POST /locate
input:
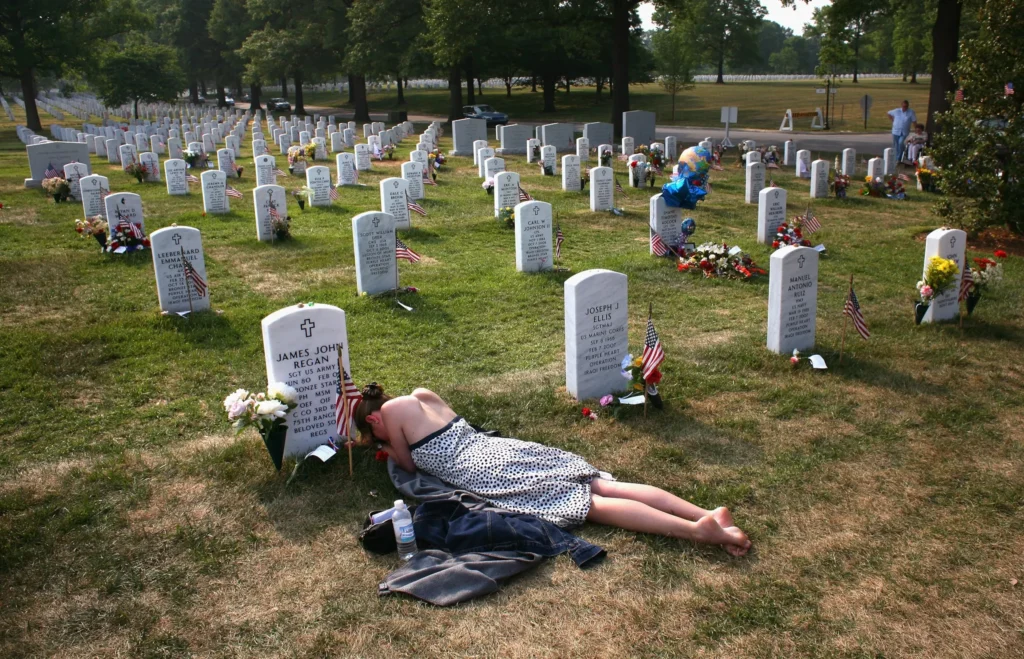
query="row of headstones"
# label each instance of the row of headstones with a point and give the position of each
(638, 128)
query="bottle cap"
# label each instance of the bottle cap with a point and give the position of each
(399, 504)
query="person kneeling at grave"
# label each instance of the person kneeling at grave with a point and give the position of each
(421, 431)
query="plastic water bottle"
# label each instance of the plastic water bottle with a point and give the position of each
(405, 535)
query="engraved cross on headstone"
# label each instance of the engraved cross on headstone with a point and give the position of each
(801, 261)
(176, 238)
(952, 242)
(307, 327)
(376, 221)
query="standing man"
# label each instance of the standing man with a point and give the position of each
(902, 118)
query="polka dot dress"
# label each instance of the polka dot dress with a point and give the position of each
(523, 477)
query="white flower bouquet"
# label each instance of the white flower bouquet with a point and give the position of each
(266, 412)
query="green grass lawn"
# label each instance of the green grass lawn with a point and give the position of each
(883, 496)
(761, 104)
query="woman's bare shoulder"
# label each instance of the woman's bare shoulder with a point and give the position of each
(426, 395)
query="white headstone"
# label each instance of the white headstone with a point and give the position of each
(949, 244)
(373, 240)
(464, 133)
(169, 246)
(530, 144)
(128, 155)
(123, 207)
(506, 191)
(492, 166)
(175, 170)
(412, 172)
(151, 163)
(113, 155)
(319, 179)
(477, 145)
(628, 146)
(571, 181)
(265, 166)
(174, 150)
(788, 153)
(803, 163)
(215, 198)
(755, 181)
(596, 336)
(300, 347)
(362, 157)
(394, 200)
(482, 155)
(226, 162)
(549, 157)
(265, 198)
(751, 156)
(602, 194)
(889, 161)
(819, 179)
(345, 163)
(583, 149)
(639, 124)
(875, 168)
(671, 152)
(337, 142)
(771, 212)
(534, 251)
(849, 162)
(73, 173)
(93, 187)
(792, 299)
(665, 221)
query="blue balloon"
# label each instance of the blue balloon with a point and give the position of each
(689, 226)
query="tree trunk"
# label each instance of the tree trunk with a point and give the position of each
(673, 105)
(508, 87)
(255, 91)
(599, 86)
(202, 87)
(454, 93)
(193, 92)
(620, 63)
(945, 40)
(721, 66)
(550, 82)
(533, 84)
(904, 76)
(567, 84)
(470, 92)
(136, 109)
(28, 92)
(220, 95)
(359, 102)
(401, 92)
(351, 84)
(284, 87)
(856, 55)
(913, 78)
(300, 106)
(239, 89)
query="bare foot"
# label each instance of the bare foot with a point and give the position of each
(723, 517)
(733, 540)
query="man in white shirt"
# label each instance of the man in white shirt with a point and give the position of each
(902, 118)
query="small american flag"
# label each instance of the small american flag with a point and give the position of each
(191, 178)
(618, 186)
(334, 194)
(345, 404)
(1008, 89)
(959, 96)
(427, 178)
(657, 244)
(377, 152)
(966, 283)
(50, 172)
(903, 177)
(559, 239)
(402, 251)
(279, 172)
(524, 195)
(852, 309)
(134, 230)
(809, 223)
(272, 211)
(414, 207)
(231, 192)
(653, 353)
(192, 277)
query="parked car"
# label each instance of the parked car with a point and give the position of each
(229, 101)
(486, 112)
(279, 104)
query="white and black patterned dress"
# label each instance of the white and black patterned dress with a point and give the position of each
(523, 477)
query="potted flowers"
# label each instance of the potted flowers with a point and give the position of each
(266, 413)
(95, 227)
(839, 184)
(488, 186)
(789, 234)
(304, 195)
(194, 159)
(136, 170)
(296, 160)
(606, 158)
(58, 187)
(986, 273)
(281, 226)
(389, 151)
(535, 152)
(926, 179)
(939, 276)
(584, 178)
(508, 216)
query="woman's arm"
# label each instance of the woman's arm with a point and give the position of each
(398, 447)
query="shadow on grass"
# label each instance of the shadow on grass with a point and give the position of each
(206, 330)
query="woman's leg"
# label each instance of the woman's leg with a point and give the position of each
(636, 516)
(652, 496)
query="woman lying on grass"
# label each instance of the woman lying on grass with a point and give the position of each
(421, 432)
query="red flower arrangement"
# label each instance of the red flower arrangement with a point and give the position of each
(381, 456)
(788, 234)
(999, 253)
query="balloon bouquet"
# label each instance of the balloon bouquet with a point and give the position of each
(689, 185)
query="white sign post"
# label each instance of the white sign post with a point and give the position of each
(728, 116)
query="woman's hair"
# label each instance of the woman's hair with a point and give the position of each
(373, 399)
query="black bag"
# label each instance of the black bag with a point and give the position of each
(380, 538)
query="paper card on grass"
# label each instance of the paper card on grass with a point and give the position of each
(819, 248)
(632, 400)
(121, 250)
(184, 314)
(323, 453)
(817, 361)
(404, 306)
(736, 249)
